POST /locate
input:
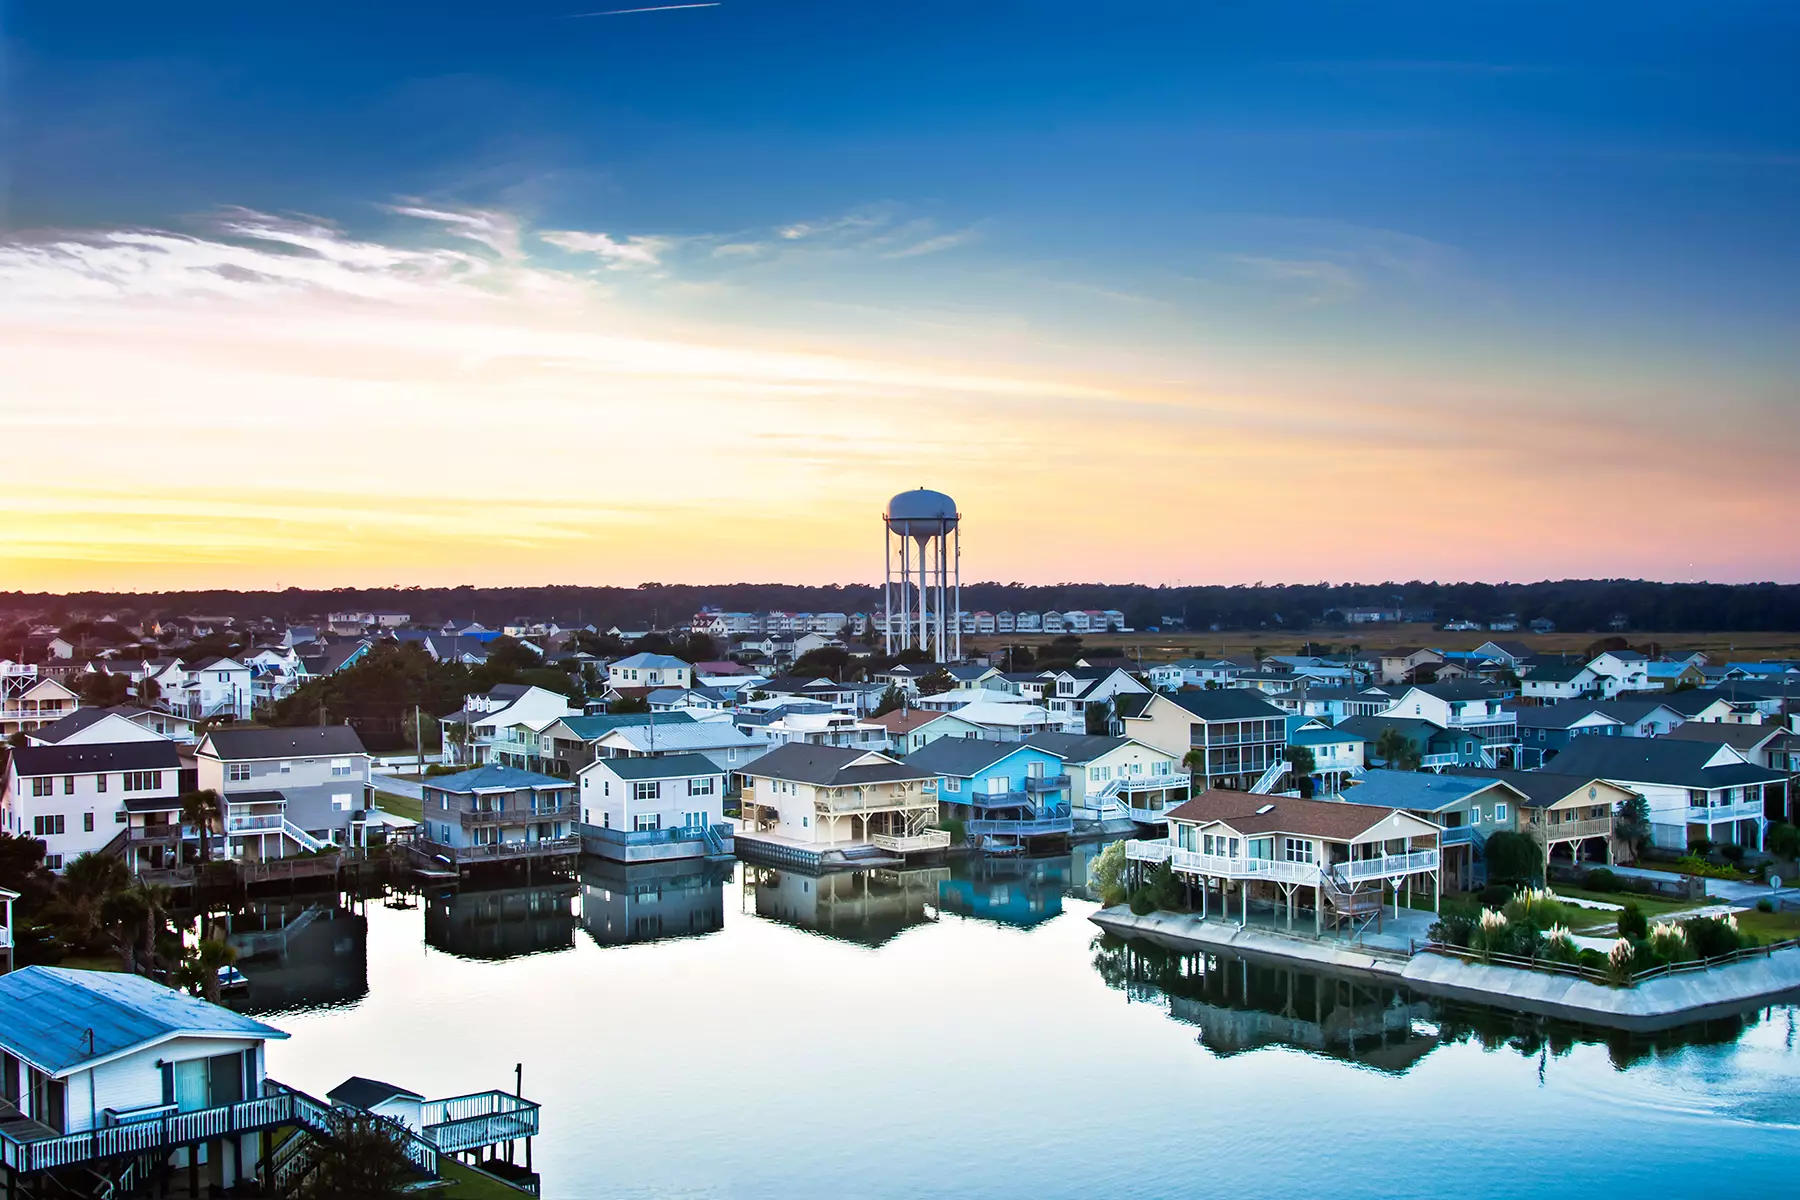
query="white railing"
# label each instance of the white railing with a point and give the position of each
(1151, 783)
(1221, 866)
(301, 838)
(1572, 829)
(1431, 762)
(1035, 827)
(931, 839)
(1388, 867)
(1147, 850)
(267, 822)
(1266, 782)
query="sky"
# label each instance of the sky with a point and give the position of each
(504, 293)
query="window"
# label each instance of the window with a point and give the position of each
(286, 768)
(53, 862)
(43, 786)
(119, 817)
(47, 826)
(340, 768)
(701, 787)
(1297, 850)
(142, 781)
(647, 790)
(644, 822)
(341, 802)
(1499, 813)
(952, 785)
(68, 785)
(237, 772)
(1474, 816)
(100, 783)
(87, 822)
(1262, 848)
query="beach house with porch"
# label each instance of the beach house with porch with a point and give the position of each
(496, 813)
(1695, 790)
(1468, 807)
(1343, 860)
(1008, 795)
(1114, 777)
(1234, 735)
(803, 804)
(1570, 816)
(288, 790)
(647, 808)
(1470, 711)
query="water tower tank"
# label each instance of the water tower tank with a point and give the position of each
(921, 513)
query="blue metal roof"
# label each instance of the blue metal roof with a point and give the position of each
(494, 777)
(50, 1014)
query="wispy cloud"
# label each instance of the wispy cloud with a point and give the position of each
(625, 12)
(496, 230)
(640, 250)
(932, 245)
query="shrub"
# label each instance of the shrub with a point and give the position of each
(1538, 909)
(437, 769)
(1632, 923)
(1559, 945)
(1142, 903)
(1621, 962)
(1669, 942)
(959, 832)
(1452, 929)
(1489, 936)
(1514, 858)
(1591, 958)
(1765, 905)
(1165, 890)
(1106, 874)
(1734, 853)
(1713, 936)
(1495, 895)
(1699, 847)
(1600, 879)
(1783, 841)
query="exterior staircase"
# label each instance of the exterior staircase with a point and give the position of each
(301, 838)
(1266, 784)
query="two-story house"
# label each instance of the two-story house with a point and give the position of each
(286, 790)
(1009, 796)
(1226, 738)
(1113, 777)
(1469, 807)
(1695, 790)
(1622, 671)
(212, 689)
(574, 741)
(29, 701)
(721, 743)
(1398, 664)
(1551, 683)
(1471, 710)
(801, 801)
(75, 798)
(644, 809)
(912, 729)
(497, 813)
(649, 671)
(1339, 755)
(509, 727)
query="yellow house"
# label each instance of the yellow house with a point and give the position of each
(816, 798)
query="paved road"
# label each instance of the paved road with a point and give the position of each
(397, 785)
(1719, 889)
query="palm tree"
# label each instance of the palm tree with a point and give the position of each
(127, 919)
(201, 809)
(200, 970)
(87, 882)
(1391, 745)
(1195, 762)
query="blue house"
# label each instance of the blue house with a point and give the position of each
(1438, 747)
(1006, 793)
(497, 812)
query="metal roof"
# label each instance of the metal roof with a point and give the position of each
(963, 757)
(494, 777)
(61, 1020)
(659, 766)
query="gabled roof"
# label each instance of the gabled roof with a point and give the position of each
(645, 660)
(156, 755)
(1317, 735)
(1728, 733)
(59, 1020)
(831, 766)
(905, 720)
(1460, 689)
(1694, 701)
(1558, 716)
(661, 766)
(684, 735)
(1557, 673)
(1419, 789)
(1369, 728)
(1541, 789)
(289, 742)
(1329, 819)
(72, 724)
(1077, 747)
(962, 757)
(1668, 761)
(494, 777)
(1224, 704)
(590, 729)
(365, 1094)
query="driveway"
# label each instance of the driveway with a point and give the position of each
(1741, 894)
(397, 785)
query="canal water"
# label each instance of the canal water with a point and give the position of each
(738, 1032)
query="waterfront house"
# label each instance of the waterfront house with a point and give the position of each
(811, 799)
(1238, 735)
(1343, 858)
(1112, 777)
(574, 741)
(287, 790)
(75, 798)
(1468, 807)
(650, 809)
(498, 813)
(1695, 790)
(912, 729)
(1436, 746)
(1006, 794)
(1338, 754)
(100, 1069)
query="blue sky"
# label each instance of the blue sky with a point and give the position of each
(1592, 206)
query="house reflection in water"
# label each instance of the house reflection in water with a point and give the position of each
(1242, 1005)
(644, 902)
(867, 907)
(504, 922)
(1012, 891)
(299, 952)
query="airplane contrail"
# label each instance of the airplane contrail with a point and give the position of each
(620, 12)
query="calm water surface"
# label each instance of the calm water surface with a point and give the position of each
(966, 1031)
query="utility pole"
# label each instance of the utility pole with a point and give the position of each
(418, 741)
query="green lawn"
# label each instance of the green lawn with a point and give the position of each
(472, 1185)
(1770, 927)
(400, 806)
(1652, 906)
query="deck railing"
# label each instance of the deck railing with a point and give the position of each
(1035, 827)
(161, 1128)
(931, 839)
(1225, 867)
(501, 851)
(1571, 829)
(1386, 867)
(1046, 783)
(478, 1119)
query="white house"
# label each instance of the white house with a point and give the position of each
(1116, 776)
(213, 688)
(650, 671)
(1622, 671)
(28, 702)
(1553, 682)
(73, 798)
(120, 1057)
(820, 797)
(1694, 789)
(675, 791)
(719, 742)
(1464, 708)
(95, 726)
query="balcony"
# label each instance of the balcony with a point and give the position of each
(512, 816)
(1033, 827)
(992, 799)
(931, 839)
(1390, 866)
(859, 800)
(1727, 810)
(1046, 783)
(255, 823)
(481, 1119)
(1151, 783)
(501, 851)
(1148, 850)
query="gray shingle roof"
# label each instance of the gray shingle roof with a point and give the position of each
(1076, 747)
(80, 759)
(829, 766)
(50, 1012)
(493, 777)
(357, 1092)
(661, 766)
(297, 742)
(1416, 789)
(960, 756)
(1666, 761)
(1227, 704)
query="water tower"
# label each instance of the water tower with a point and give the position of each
(924, 540)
